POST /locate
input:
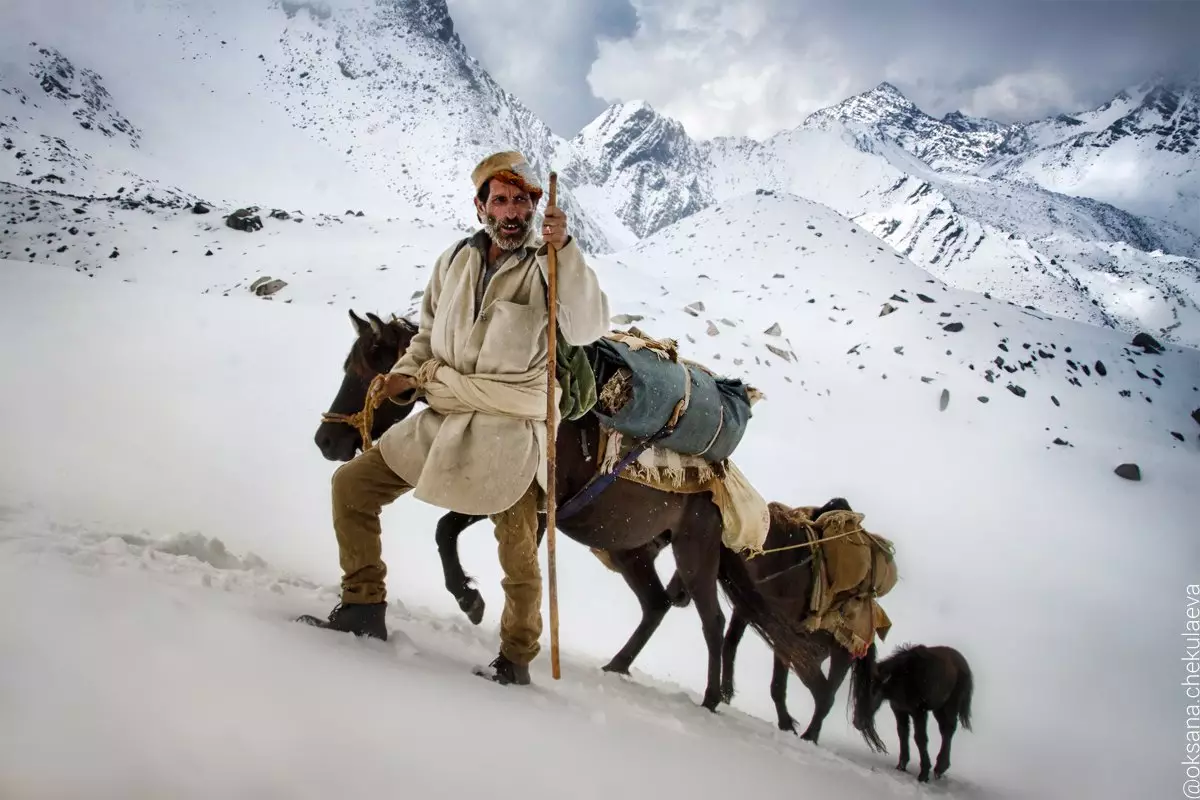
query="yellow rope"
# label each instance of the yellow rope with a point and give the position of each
(819, 541)
(365, 419)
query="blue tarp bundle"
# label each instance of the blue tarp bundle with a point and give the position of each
(717, 412)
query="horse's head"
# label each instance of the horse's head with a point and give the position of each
(375, 350)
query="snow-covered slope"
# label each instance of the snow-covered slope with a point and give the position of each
(290, 104)
(167, 512)
(908, 177)
(1140, 152)
(328, 107)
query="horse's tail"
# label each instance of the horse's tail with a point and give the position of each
(966, 688)
(784, 636)
(862, 703)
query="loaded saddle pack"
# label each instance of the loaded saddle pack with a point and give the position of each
(666, 422)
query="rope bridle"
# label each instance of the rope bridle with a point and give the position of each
(363, 420)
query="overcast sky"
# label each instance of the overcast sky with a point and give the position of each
(754, 67)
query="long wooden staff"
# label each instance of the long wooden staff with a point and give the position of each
(551, 431)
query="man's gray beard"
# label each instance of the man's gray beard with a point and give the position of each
(504, 241)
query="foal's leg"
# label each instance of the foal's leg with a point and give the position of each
(637, 568)
(947, 720)
(697, 557)
(921, 734)
(733, 637)
(449, 527)
(902, 731)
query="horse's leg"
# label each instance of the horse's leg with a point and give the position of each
(733, 637)
(947, 720)
(448, 529)
(921, 734)
(818, 687)
(839, 665)
(637, 568)
(697, 557)
(902, 732)
(677, 592)
(779, 682)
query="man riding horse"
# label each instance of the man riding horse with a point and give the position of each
(479, 360)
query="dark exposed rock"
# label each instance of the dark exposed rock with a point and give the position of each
(944, 400)
(1017, 390)
(1055, 400)
(953, 327)
(1178, 436)
(1147, 342)
(200, 208)
(244, 219)
(925, 298)
(1101, 370)
(1130, 472)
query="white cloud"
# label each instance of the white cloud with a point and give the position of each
(760, 66)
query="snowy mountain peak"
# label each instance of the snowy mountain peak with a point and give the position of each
(643, 158)
(955, 144)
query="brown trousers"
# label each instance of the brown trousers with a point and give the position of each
(364, 485)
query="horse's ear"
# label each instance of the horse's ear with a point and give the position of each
(386, 333)
(360, 324)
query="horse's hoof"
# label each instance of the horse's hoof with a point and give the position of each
(902, 767)
(711, 703)
(473, 606)
(923, 777)
(788, 725)
(727, 694)
(615, 668)
(809, 736)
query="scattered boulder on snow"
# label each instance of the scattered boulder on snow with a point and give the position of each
(888, 308)
(944, 400)
(774, 330)
(1101, 370)
(279, 213)
(1017, 390)
(200, 208)
(1130, 472)
(925, 298)
(267, 286)
(712, 329)
(1178, 436)
(785, 355)
(627, 319)
(953, 327)
(694, 308)
(1147, 342)
(244, 219)
(1062, 442)
(1196, 416)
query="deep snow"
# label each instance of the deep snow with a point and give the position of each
(148, 409)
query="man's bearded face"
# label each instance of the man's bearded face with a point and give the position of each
(508, 215)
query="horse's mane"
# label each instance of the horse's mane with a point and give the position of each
(901, 654)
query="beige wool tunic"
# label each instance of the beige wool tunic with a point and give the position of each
(481, 368)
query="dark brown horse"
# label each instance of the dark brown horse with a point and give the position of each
(786, 577)
(783, 576)
(916, 680)
(631, 521)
